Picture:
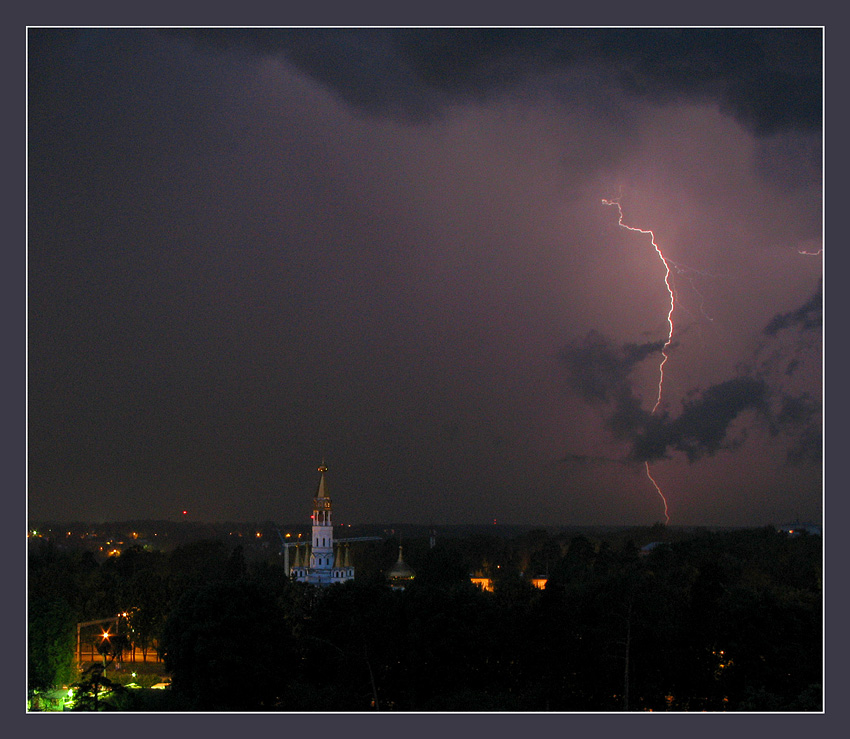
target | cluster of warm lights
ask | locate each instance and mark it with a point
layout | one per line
(722, 662)
(485, 583)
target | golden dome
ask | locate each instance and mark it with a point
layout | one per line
(401, 570)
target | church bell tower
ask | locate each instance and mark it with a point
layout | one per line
(322, 555)
(321, 565)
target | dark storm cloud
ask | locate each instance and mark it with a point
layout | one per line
(600, 372)
(768, 79)
(793, 338)
(795, 411)
(701, 429)
(808, 316)
(798, 417)
(807, 447)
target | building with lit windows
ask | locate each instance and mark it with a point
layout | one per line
(320, 562)
(483, 582)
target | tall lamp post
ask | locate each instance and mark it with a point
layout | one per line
(80, 626)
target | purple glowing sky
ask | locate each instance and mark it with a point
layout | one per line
(249, 251)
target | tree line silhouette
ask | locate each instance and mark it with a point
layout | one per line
(716, 621)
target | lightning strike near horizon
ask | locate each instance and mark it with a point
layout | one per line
(669, 334)
(658, 489)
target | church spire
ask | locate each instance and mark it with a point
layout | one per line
(322, 562)
(322, 493)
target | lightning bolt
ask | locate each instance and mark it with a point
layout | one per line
(669, 340)
(686, 272)
(658, 490)
(669, 291)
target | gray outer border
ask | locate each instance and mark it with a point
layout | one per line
(498, 12)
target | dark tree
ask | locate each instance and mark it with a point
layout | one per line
(443, 566)
(227, 648)
(51, 639)
(197, 562)
(96, 692)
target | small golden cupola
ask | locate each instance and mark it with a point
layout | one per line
(401, 574)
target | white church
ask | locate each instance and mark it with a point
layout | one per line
(321, 563)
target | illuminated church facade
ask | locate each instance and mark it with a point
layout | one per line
(320, 563)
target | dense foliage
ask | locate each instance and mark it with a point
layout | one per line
(711, 621)
(51, 643)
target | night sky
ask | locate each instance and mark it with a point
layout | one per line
(249, 251)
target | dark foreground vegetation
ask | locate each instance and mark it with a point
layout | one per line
(727, 621)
